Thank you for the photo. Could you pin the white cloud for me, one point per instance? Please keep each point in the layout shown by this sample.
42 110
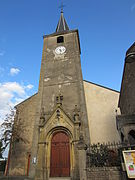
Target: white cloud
14 71
30 86
11 93
14 87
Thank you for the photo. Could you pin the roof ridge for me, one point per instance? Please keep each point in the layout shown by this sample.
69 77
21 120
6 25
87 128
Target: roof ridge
102 86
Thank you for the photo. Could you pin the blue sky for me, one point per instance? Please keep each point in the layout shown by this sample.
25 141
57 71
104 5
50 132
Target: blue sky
106 29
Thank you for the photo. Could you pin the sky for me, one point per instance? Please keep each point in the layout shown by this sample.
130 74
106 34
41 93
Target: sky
106 30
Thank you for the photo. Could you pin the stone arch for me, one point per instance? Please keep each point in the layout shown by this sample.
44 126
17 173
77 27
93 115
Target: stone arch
48 147
131 137
56 129
60 155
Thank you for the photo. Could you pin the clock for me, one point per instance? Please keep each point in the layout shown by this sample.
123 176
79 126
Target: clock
60 50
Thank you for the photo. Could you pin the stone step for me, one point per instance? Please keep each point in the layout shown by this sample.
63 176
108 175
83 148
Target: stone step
60 178
26 178
13 178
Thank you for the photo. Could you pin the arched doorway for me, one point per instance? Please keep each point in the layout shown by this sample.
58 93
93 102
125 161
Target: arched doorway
60 155
131 137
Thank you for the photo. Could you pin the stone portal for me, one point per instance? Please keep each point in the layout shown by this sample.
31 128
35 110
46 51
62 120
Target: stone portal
60 155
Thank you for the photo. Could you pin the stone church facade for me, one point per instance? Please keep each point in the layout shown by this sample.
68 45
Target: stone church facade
64 116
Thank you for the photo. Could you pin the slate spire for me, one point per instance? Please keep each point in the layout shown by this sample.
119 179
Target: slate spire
62 25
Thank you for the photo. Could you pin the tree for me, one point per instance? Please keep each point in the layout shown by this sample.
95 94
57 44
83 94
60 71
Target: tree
12 129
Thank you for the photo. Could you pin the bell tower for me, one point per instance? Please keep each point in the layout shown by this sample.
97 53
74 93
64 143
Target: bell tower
61 125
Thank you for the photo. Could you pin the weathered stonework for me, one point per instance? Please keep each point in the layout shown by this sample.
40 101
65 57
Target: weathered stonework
126 122
60 77
101 173
127 96
20 151
60 106
52 125
59 74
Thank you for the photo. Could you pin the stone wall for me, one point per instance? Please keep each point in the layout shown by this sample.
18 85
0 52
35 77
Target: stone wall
18 162
101 104
127 98
104 173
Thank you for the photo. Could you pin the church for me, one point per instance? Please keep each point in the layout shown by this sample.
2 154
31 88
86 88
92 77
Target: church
65 115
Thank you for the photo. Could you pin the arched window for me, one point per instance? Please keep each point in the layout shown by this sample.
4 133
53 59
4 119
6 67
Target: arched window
60 39
131 137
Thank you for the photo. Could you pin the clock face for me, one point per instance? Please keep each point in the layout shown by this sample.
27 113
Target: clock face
60 50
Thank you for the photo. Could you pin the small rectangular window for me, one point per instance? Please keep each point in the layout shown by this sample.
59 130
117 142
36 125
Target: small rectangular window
60 39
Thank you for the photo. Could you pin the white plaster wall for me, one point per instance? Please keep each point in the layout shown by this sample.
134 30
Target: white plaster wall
101 105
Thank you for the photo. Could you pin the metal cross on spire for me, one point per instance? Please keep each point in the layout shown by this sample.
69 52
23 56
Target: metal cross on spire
61 7
62 25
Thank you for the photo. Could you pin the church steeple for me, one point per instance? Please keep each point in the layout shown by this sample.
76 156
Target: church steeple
62 25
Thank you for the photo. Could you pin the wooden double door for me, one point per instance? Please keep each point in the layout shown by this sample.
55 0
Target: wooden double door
60 155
